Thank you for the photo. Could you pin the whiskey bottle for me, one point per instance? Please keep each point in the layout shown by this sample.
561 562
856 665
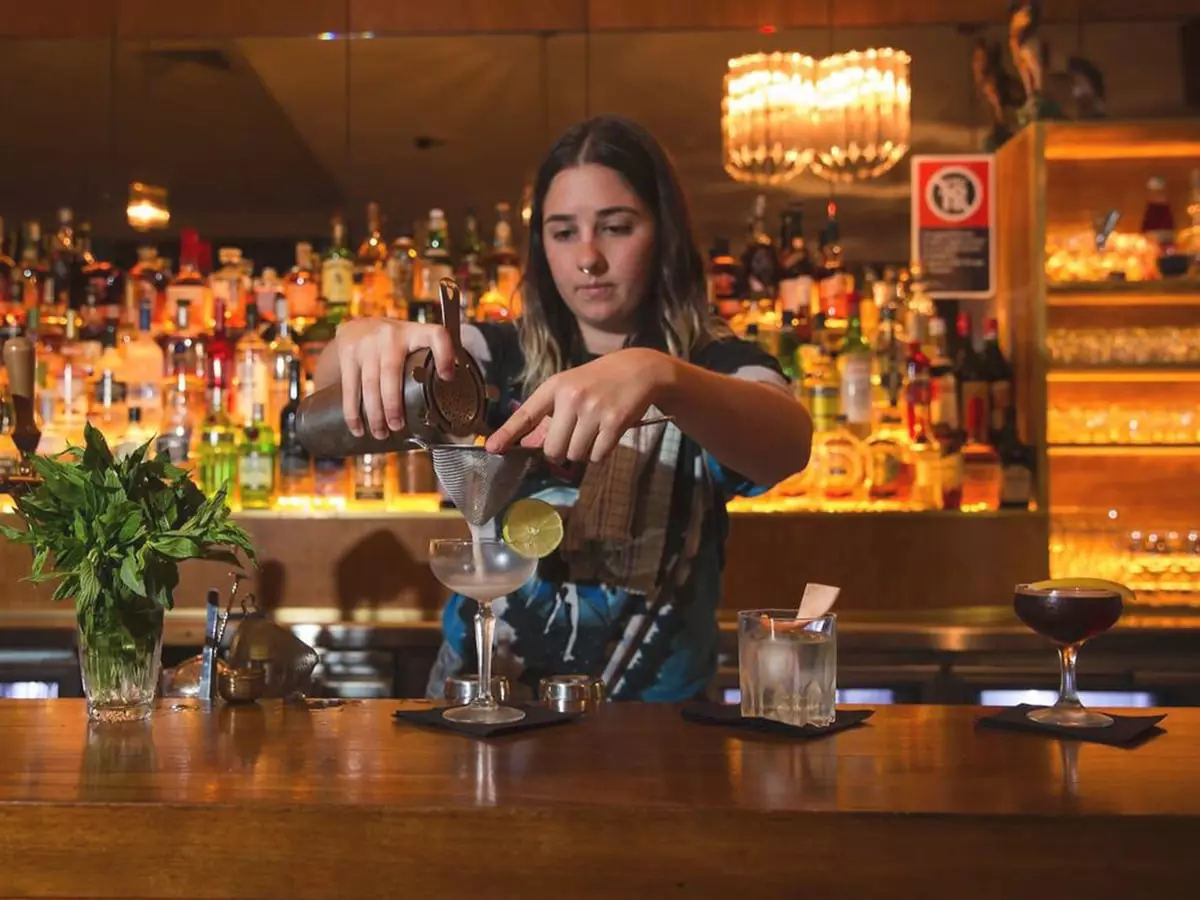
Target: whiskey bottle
924 447
337 275
256 462
972 384
295 463
999 376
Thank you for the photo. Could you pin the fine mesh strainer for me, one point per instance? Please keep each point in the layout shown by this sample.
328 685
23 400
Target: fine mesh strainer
479 483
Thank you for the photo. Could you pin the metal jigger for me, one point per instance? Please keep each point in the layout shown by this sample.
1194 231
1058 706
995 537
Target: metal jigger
461 690
19 360
571 693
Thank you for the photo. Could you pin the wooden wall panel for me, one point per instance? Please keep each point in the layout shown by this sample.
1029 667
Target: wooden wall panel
296 18
228 18
56 18
1149 491
450 16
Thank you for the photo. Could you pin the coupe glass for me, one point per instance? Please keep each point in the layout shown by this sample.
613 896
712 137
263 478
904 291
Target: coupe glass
481 571
1069 617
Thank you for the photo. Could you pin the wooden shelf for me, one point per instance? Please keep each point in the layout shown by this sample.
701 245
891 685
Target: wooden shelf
1075 450
1123 374
1108 140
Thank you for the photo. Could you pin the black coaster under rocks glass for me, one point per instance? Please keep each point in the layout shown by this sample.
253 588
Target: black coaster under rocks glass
731 716
535 717
1124 731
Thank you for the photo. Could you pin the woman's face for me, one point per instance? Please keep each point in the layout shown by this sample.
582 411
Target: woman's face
599 240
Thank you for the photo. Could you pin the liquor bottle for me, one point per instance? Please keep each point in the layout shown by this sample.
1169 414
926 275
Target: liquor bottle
999 376
797 279
920 310
178 421
504 262
724 279
34 272
472 276
136 434
371 265
66 263
1158 222
887 377
108 409
924 447
229 284
972 383
281 352
830 283
436 263
1017 466
216 450
295 464
825 389
401 271
256 461
188 286
144 367
787 347
370 478
854 369
313 340
980 463
943 384
267 286
840 462
300 285
889 463
760 259
337 275
251 372
220 347
151 278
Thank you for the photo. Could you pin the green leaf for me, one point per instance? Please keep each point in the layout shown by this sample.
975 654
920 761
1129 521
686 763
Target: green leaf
176 547
96 456
131 577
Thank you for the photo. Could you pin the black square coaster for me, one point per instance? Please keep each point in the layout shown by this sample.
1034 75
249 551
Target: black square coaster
1123 732
535 717
731 717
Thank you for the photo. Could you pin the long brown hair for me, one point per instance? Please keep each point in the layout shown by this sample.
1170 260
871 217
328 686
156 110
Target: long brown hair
675 312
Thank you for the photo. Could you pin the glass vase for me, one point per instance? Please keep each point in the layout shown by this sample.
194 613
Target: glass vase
120 664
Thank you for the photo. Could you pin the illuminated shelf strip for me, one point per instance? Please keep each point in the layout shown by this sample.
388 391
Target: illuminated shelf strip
1126 374
1185 290
1124 449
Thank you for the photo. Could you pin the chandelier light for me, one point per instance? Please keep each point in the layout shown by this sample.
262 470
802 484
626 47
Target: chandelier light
147 207
863 121
767 117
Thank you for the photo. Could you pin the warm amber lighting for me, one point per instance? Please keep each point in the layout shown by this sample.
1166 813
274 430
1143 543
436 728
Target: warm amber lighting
767 117
147 207
863 122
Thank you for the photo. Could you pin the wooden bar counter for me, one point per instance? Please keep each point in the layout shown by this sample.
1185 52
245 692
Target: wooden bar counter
631 802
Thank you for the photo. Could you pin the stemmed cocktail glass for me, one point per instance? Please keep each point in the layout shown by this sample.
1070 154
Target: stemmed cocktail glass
482 571
1069 616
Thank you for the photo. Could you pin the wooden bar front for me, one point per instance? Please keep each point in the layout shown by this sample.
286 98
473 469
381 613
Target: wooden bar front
362 565
632 801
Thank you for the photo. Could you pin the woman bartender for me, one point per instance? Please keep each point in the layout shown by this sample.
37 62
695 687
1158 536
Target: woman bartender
615 324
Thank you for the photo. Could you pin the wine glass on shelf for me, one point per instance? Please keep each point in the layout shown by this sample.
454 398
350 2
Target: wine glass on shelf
483 571
1070 612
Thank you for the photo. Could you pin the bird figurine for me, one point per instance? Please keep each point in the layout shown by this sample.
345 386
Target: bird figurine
1087 88
1025 47
997 89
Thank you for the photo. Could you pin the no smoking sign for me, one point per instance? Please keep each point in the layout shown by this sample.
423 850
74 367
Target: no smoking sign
953 224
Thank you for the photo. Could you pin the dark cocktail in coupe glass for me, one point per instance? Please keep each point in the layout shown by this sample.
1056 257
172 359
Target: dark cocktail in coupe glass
1068 616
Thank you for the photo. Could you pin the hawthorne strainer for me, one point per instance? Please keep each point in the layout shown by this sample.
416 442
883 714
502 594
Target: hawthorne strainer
479 483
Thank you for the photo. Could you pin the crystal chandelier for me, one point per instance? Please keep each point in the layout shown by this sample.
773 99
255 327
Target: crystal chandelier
767 117
863 119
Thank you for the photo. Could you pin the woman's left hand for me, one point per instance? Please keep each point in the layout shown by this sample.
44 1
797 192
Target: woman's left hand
580 414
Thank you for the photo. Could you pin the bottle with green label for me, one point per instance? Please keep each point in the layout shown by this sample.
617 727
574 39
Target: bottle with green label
337 275
256 461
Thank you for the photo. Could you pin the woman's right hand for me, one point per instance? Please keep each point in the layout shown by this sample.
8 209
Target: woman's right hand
370 355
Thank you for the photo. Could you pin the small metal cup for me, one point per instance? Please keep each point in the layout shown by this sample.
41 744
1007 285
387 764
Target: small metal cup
571 693
462 690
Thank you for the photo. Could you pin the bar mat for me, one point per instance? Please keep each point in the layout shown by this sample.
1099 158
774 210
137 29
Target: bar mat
1123 732
535 717
731 716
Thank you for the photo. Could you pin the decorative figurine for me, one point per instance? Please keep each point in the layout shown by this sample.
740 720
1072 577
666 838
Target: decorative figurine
1029 57
1087 88
997 88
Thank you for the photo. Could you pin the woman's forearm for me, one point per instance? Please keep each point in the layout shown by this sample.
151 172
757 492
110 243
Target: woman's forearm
754 428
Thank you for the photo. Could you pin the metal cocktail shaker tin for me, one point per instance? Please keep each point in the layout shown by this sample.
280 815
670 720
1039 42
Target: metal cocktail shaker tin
433 409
